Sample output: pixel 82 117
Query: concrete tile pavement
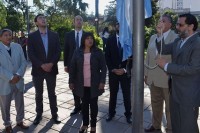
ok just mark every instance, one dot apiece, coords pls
pixel 65 106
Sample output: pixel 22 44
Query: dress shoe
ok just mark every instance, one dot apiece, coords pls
pixel 93 130
pixel 75 111
pixel 129 120
pixel 83 129
pixel 109 118
pixel 8 129
pixel 56 120
pixel 22 125
pixel 37 120
pixel 151 129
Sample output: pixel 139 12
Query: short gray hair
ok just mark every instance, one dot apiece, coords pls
pixel 4 30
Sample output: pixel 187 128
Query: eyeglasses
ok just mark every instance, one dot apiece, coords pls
pixel 180 25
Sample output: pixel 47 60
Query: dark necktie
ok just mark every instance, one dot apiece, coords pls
pixel 179 45
pixel 77 40
pixel 9 51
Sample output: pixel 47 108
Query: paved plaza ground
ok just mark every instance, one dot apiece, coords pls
pixel 65 106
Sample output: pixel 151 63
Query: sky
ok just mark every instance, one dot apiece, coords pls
pixel 91 5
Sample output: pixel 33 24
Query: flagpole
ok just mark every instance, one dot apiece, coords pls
pixel 138 66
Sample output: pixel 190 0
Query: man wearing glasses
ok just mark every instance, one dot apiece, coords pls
pixel 185 72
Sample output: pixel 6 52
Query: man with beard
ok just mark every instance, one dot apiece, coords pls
pixel 117 75
pixel 185 72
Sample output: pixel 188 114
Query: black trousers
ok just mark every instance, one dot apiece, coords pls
pixel 89 103
pixel 77 102
pixel 51 84
pixel 124 81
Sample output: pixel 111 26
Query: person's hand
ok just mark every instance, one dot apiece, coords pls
pixel 66 70
pixel 47 67
pixel 15 79
pixel 71 86
pixel 101 86
pixel 161 62
pixel 119 71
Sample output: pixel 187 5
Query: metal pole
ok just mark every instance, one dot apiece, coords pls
pixel 138 66
pixel 97 16
pixel 27 11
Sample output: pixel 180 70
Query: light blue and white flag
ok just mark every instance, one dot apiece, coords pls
pixel 125 18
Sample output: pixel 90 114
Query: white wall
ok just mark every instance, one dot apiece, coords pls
pixel 193 4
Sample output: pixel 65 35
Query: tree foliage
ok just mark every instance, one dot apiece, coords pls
pixel 111 12
pixel 3 15
pixel 14 19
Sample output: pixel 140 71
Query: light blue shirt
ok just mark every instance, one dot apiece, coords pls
pixel 44 37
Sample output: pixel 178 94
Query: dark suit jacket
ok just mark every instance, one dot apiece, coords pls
pixel 112 55
pixel 185 70
pixel 69 47
pixel 37 55
pixel 98 72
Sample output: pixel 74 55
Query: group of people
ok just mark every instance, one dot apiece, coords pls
pixel 175 79
pixel 87 66
pixel 85 63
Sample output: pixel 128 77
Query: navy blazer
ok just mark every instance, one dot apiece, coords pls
pixel 112 55
pixel 37 55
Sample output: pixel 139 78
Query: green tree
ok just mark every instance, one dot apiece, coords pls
pixel 110 13
pixel 3 15
pixel 14 19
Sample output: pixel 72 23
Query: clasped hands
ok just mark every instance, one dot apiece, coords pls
pixel 15 79
pixel 118 71
pixel 47 67
pixel 101 86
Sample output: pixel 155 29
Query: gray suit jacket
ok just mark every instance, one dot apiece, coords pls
pixel 9 65
pixel 185 70
pixel 157 76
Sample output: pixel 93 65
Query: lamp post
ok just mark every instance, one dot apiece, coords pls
pixel 27 15
pixel 97 25
pixel 97 16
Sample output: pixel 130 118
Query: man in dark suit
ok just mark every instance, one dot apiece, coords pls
pixel 117 75
pixel 44 53
pixel 72 42
pixel 185 72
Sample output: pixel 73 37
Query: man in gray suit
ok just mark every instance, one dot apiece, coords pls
pixel 12 69
pixel 156 78
pixel 185 72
